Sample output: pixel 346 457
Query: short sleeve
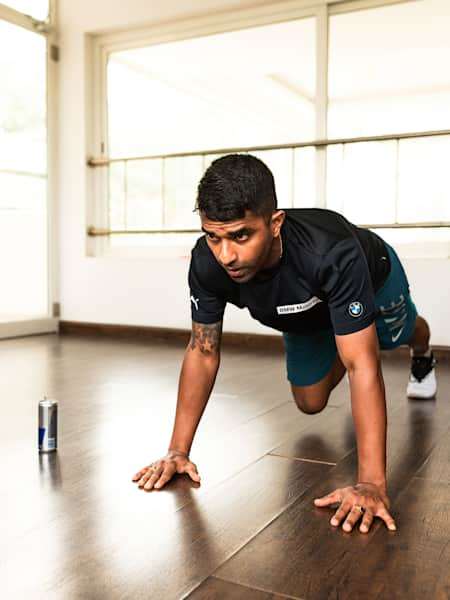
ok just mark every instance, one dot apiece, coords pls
pixel 346 283
pixel 206 307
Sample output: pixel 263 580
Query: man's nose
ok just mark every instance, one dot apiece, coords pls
pixel 227 254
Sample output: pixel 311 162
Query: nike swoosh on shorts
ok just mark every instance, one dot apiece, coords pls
pixel 397 335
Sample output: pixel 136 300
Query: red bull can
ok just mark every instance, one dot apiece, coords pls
pixel 48 425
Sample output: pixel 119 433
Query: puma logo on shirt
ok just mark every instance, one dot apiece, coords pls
pixel 195 302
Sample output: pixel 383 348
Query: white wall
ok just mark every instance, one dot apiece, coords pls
pixel 153 292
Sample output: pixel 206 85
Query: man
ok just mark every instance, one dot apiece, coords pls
pixel 338 293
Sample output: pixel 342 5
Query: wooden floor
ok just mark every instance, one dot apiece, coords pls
pixel 73 525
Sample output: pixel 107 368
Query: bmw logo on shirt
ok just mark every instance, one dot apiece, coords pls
pixel 356 309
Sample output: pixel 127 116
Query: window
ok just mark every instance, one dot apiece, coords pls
pixel 361 181
pixel 173 106
pixel 230 90
pixel 389 70
pixel 23 174
pixel 37 9
pixel 237 89
pixel 388 73
pixel 424 180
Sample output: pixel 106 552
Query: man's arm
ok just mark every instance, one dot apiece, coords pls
pixel 197 377
pixel 198 373
pixel 360 354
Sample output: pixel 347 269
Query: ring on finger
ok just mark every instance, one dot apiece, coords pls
pixel 360 508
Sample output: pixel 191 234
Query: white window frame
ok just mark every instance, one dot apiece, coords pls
pixel 99 47
pixel 48 323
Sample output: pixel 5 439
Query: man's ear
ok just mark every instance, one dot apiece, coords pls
pixel 276 221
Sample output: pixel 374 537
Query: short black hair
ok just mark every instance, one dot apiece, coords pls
pixel 234 184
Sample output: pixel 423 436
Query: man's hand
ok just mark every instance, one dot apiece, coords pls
pixel 160 472
pixel 365 500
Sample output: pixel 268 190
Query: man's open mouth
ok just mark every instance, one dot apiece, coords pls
pixel 236 272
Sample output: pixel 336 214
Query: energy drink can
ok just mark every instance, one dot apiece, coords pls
pixel 48 425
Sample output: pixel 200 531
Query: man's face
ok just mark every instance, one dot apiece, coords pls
pixel 245 246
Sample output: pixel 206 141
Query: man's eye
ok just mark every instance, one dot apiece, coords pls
pixel 241 236
pixel 210 236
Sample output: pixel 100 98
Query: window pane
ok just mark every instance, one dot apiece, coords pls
pixel 23 239
pixel 419 242
pixel 361 181
pixel 23 125
pixel 280 163
pixel 117 196
pixel 143 203
pixel 181 178
pixel 424 180
pixel 35 8
pixel 250 87
pixel 23 174
pixel 22 192
pixel 389 69
pixel 294 172
pixel 304 192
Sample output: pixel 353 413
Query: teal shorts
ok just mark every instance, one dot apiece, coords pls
pixel 310 357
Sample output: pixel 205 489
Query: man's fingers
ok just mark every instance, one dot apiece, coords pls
pixel 145 477
pixel 159 473
pixel 374 502
pixel 161 477
pixel 332 498
pixel 165 477
pixel 150 480
pixel 390 523
pixel 150 477
pixel 340 514
pixel 140 473
pixel 191 469
pixel 353 517
pixel 193 474
pixel 367 521
pixel 149 472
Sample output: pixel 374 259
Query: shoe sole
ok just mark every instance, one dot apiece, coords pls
pixel 419 397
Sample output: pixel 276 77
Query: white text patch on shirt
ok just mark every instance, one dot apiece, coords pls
pixel 296 308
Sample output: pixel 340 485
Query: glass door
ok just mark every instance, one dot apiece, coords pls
pixel 24 291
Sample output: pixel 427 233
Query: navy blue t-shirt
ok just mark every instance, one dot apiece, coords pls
pixel 326 278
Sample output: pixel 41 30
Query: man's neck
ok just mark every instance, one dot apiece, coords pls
pixel 273 260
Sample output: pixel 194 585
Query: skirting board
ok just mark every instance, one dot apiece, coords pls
pixel 247 340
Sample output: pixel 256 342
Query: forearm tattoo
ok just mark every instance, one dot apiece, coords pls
pixel 206 337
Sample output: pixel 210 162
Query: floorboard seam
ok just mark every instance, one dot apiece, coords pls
pixel 259 589
pixel 431 479
pixel 264 412
pixel 302 430
pixel 301 459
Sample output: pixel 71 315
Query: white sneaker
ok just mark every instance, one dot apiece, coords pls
pixel 422 379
